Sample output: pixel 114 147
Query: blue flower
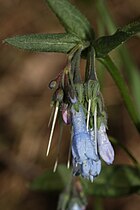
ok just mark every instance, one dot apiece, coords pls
pixel 77 207
pixel 85 160
pixel 105 148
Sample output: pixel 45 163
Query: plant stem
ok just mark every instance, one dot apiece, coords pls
pixel 109 64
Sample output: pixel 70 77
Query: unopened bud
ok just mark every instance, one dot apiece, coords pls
pixel 52 84
pixel 59 95
pixel 66 114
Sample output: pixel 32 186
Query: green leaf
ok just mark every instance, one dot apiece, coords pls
pixel 71 18
pixel 105 44
pixel 114 181
pixel 50 181
pixel 44 42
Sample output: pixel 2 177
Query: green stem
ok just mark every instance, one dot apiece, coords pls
pixel 109 64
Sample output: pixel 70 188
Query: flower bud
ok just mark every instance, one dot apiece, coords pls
pixel 76 206
pixel 59 95
pixel 66 115
pixel 52 84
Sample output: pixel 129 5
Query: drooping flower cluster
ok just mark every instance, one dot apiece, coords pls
pixel 81 105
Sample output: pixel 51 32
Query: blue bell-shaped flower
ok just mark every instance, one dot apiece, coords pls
pixel 85 160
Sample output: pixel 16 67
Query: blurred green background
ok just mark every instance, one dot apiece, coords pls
pixel 25 99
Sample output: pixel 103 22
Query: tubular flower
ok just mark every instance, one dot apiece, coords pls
pixel 76 207
pixel 85 160
pixel 105 148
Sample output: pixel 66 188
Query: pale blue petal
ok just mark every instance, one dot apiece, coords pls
pixel 78 120
pixel 106 150
pixel 79 146
pixel 77 207
pixel 85 160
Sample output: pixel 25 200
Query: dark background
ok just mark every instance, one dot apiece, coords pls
pixel 25 103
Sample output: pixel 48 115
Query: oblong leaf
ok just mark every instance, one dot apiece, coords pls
pixel 44 42
pixel 105 44
pixel 114 181
pixel 71 18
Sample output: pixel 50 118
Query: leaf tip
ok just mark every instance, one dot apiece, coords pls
pixel 7 41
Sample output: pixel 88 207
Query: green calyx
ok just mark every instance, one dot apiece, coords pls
pixel 79 88
pixel 92 89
